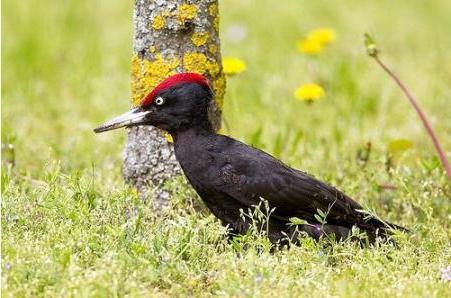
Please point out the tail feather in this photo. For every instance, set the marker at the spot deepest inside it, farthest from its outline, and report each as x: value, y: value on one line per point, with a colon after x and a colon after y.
x: 375, y: 223
x: 376, y: 228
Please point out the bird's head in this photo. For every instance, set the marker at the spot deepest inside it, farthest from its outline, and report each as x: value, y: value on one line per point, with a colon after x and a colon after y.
x: 180, y: 101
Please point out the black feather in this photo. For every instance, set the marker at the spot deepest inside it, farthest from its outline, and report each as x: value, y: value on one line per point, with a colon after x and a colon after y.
x: 230, y: 175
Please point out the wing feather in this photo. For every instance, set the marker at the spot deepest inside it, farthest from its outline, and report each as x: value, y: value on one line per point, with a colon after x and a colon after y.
x: 249, y: 174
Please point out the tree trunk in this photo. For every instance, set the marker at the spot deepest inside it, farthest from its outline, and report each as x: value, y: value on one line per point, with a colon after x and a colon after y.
x: 170, y: 36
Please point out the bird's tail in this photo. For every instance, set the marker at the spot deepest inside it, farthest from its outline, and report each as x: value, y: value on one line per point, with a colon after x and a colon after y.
x: 377, y: 223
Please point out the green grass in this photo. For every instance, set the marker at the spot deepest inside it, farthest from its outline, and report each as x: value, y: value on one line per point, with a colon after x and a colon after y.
x: 71, y: 227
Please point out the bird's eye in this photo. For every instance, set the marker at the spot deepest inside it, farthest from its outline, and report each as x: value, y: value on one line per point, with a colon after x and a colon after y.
x: 159, y: 101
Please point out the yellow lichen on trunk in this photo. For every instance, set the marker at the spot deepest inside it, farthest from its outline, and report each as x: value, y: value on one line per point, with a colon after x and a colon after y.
x: 186, y: 12
x: 199, y: 38
x: 146, y: 74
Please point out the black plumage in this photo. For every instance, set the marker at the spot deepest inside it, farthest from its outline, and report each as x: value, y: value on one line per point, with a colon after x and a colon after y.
x: 231, y: 176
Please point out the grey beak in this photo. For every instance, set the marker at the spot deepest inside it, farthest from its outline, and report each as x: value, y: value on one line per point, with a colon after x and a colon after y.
x: 134, y: 116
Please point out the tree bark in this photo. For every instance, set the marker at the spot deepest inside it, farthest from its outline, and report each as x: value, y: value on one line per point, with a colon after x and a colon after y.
x: 170, y: 36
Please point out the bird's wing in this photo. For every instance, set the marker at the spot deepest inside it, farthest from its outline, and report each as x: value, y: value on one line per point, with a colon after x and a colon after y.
x: 249, y: 175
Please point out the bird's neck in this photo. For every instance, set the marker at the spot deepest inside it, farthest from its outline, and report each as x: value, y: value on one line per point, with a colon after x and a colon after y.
x: 192, y: 132
x: 192, y: 142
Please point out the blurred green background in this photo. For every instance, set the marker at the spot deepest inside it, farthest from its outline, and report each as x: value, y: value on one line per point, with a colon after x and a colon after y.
x: 66, y: 69
x: 67, y: 65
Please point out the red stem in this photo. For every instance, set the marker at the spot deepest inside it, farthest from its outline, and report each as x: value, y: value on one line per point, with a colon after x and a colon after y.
x: 420, y: 113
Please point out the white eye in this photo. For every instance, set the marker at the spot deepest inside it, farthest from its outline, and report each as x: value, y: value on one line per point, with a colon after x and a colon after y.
x: 159, y: 101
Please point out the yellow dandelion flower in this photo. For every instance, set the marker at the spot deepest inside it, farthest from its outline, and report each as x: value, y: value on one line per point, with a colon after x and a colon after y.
x: 310, y: 46
x: 316, y: 40
x: 309, y: 92
x: 233, y: 66
x: 323, y: 36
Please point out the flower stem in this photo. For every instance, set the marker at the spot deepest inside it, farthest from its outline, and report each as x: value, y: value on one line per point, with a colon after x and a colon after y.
x: 420, y: 113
